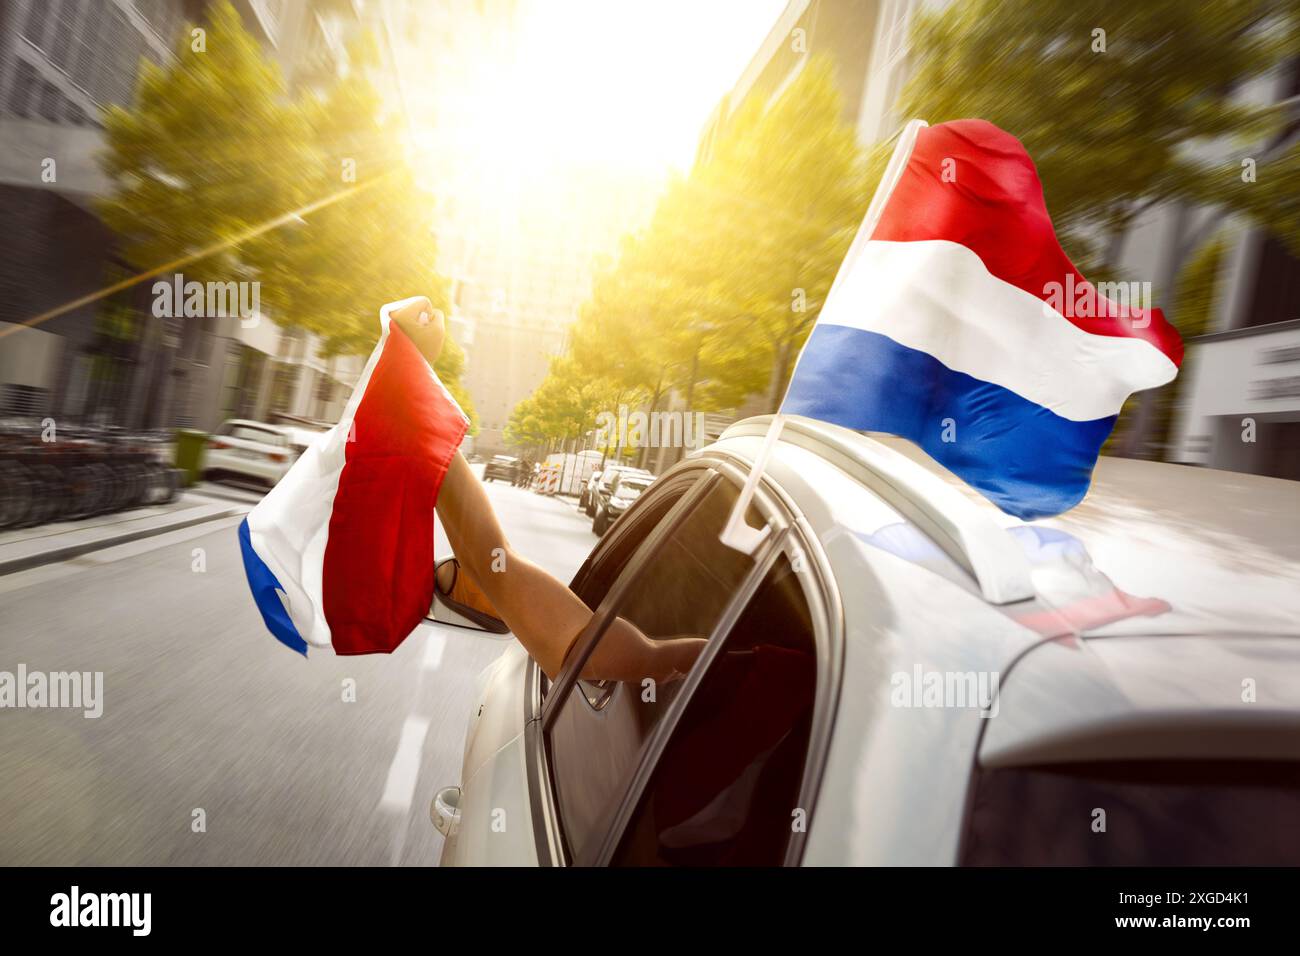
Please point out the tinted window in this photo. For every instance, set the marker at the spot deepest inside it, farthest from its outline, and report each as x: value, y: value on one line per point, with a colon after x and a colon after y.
x: 726, y: 788
x: 599, y: 731
x: 1157, y: 813
x: 250, y: 433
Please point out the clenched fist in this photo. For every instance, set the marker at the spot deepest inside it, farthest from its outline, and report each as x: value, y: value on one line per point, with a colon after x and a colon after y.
x: 423, y: 324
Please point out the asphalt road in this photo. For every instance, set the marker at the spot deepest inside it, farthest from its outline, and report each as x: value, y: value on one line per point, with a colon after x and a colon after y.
x: 204, y: 711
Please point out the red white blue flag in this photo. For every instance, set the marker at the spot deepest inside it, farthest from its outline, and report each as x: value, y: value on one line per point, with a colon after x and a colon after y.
x: 957, y: 321
x: 340, y: 552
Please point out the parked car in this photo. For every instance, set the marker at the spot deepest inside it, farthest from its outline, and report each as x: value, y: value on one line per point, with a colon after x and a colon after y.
x: 300, y: 437
x: 601, y: 491
x: 1141, y: 669
x: 248, y: 451
x: 500, y: 468
x: 624, y: 490
x: 588, y: 487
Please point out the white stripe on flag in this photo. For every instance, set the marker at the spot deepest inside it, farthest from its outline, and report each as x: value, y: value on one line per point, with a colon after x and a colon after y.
x: 937, y: 297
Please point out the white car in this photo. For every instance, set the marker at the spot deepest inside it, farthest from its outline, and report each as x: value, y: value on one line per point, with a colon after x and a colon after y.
x: 250, y: 451
x: 901, y: 674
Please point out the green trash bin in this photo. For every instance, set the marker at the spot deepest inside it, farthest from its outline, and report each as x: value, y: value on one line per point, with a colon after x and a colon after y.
x: 189, y: 453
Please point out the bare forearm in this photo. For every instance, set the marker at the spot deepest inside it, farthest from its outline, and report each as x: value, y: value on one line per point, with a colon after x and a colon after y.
x: 541, y: 611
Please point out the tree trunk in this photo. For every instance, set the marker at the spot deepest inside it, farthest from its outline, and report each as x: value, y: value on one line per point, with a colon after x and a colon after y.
x: 654, y: 407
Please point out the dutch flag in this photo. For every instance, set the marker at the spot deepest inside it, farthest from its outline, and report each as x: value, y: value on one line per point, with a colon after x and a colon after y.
x: 957, y: 321
x: 340, y: 552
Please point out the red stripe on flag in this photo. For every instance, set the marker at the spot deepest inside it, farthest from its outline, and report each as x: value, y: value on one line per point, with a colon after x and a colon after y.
x: 378, y: 574
x: 992, y: 203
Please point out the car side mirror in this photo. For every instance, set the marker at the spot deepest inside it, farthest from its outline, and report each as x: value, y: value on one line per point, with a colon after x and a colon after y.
x: 458, y: 601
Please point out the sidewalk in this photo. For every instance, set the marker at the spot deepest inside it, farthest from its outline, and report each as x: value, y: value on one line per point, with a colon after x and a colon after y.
x: 25, y: 548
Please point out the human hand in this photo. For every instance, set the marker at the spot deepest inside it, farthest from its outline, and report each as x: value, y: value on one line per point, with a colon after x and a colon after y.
x: 672, y: 659
x: 423, y: 325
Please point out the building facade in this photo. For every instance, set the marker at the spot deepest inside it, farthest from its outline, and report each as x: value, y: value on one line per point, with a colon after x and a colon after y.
x: 61, y: 63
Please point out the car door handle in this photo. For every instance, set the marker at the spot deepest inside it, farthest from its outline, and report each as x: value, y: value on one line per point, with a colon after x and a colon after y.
x: 444, y: 811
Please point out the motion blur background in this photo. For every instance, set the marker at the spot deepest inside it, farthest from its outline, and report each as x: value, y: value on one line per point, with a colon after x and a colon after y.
x: 614, y: 203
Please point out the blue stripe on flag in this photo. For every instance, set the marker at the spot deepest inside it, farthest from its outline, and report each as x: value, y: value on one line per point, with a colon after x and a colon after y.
x: 265, y: 587
x: 1028, y: 460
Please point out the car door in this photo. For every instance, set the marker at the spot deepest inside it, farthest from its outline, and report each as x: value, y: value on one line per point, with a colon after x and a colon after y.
x: 496, y: 819
x: 713, y: 768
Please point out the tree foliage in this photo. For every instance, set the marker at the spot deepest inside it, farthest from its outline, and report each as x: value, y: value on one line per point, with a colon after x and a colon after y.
x: 716, y: 295
x: 216, y: 147
x: 1122, y: 105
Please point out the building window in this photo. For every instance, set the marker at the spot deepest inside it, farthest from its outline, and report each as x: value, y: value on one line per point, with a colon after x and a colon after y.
x: 23, y: 399
x: 65, y: 17
x: 23, y: 90
x: 37, y: 20
x: 282, y: 387
x: 85, y: 46
x: 51, y: 100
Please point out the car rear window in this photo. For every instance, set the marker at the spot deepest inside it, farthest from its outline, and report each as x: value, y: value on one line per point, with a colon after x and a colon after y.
x: 251, y: 433
x: 1137, y: 813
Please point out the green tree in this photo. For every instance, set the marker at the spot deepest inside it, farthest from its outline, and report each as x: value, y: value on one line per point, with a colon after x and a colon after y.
x: 218, y: 165
x: 1124, y: 106
x: 716, y: 295
x: 210, y: 150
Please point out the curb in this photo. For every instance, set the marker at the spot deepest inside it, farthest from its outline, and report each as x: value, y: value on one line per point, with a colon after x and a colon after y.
x: 66, y: 552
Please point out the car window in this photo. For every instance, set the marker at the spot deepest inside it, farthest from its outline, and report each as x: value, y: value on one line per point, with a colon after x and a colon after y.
x: 725, y: 790
x: 252, y: 433
x: 610, y: 478
x: 1157, y: 813
x: 680, y: 593
x: 606, y: 562
x: 631, y: 487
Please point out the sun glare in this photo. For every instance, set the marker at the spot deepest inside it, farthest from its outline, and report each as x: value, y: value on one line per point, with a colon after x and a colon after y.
x: 619, y: 86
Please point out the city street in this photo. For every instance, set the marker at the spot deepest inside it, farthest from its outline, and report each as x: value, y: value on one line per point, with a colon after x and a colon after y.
x: 204, y: 711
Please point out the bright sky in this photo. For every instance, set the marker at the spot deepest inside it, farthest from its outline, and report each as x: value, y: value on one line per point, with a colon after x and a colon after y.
x: 628, y: 83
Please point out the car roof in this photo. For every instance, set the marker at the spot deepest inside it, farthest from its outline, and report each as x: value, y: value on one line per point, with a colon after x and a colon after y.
x: 1188, y: 550
x: 1151, y: 607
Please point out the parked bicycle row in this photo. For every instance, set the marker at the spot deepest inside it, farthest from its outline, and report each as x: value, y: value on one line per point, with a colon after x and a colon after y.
x: 79, y: 473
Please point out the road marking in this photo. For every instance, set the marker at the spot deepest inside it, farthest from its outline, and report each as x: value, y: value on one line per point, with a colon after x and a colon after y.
x: 404, y: 771
x: 434, y: 645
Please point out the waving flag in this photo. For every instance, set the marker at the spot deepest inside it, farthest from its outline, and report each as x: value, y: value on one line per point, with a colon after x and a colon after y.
x: 956, y: 321
x: 340, y: 552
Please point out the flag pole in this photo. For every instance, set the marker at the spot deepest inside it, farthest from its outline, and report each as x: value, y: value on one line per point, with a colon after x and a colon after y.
x: 737, y: 533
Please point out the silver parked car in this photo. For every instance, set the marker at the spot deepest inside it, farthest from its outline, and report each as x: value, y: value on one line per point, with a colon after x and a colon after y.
x: 901, y: 674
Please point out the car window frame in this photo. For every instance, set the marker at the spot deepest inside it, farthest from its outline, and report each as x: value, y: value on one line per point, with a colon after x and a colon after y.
x: 802, y: 546
x: 586, y: 642
x: 698, y: 478
x: 796, y: 540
